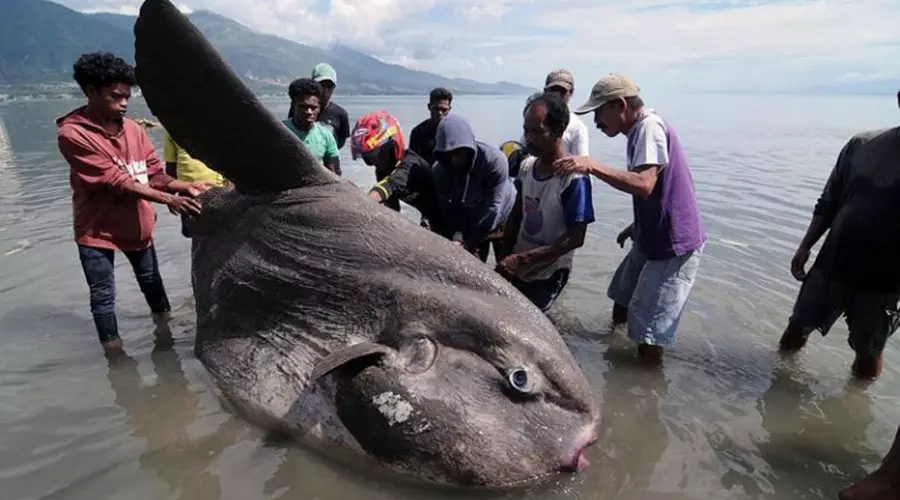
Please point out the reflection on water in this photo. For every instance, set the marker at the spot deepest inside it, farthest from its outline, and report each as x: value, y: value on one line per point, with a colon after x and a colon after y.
x: 726, y: 417
x: 160, y: 413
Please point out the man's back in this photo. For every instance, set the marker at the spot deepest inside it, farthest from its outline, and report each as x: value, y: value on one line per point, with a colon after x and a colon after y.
x: 862, y: 200
x: 412, y: 181
x: 421, y: 139
x: 335, y: 119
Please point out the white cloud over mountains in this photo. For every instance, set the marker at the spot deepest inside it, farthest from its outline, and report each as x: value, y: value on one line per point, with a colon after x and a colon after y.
x: 671, y: 44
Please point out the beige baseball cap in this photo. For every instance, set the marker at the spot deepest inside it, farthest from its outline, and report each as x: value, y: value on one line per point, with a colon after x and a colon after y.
x: 560, y: 78
x: 611, y: 86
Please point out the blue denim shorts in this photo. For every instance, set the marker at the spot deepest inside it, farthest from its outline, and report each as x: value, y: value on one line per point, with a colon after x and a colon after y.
x: 655, y: 293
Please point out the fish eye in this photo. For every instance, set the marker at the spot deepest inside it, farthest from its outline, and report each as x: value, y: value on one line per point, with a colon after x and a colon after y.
x: 519, y: 380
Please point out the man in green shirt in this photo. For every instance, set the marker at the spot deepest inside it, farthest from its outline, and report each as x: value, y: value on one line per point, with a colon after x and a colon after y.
x: 306, y: 99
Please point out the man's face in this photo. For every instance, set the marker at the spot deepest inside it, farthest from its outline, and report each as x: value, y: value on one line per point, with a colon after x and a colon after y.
x: 327, y: 90
x: 538, y: 139
x: 306, y: 110
x: 562, y: 91
x: 458, y: 159
x: 439, y: 109
x: 111, y: 101
x: 610, y: 117
x: 382, y: 159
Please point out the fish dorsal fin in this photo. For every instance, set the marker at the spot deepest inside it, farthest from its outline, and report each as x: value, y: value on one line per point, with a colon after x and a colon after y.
x: 209, y: 111
x: 346, y: 355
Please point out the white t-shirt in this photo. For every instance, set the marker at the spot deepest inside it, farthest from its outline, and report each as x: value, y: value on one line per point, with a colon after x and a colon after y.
x: 575, y: 137
x: 545, y: 216
x: 647, y: 143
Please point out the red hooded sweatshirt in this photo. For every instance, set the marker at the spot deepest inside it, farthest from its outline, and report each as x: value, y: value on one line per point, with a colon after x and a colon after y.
x: 102, y: 170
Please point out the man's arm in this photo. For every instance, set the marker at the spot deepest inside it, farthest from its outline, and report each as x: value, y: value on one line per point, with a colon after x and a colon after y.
x: 497, y: 180
x: 332, y: 158
x: 829, y: 200
x: 343, y: 129
x: 650, y: 156
x: 99, y: 172
x: 170, y: 156
x: 513, y: 223
x: 639, y: 182
x: 395, y: 184
x: 574, y: 238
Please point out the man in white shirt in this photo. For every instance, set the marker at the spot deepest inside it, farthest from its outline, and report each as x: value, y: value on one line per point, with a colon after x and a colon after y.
x: 575, y: 138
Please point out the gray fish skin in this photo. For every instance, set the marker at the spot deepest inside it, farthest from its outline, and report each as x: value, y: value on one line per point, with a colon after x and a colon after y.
x: 326, y: 316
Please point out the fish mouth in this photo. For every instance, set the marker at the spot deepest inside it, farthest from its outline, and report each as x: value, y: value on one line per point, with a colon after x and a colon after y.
x: 576, y: 459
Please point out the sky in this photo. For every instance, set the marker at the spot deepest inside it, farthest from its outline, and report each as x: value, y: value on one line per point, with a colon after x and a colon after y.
x: 684, y: 46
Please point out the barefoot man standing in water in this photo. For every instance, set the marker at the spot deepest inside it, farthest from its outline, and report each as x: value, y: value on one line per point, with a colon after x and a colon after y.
x: 857, y: 271
x: 115, y: 174
x: 651, y: 286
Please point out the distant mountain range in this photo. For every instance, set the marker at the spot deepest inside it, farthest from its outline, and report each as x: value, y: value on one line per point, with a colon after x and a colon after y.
x: 40, y: 40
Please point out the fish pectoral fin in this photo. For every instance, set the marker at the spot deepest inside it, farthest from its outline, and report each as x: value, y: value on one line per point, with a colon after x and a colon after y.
x: 343, y: 356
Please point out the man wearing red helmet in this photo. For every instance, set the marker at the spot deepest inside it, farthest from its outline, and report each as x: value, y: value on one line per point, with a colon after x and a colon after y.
x: 401, y: 173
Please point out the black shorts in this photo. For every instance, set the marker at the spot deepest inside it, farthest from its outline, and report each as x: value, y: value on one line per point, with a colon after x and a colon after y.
x: 872, y: 317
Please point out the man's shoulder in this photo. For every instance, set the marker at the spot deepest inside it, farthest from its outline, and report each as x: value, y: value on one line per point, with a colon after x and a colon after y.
x: 489, y: 152
x: 420, y: 127
x: 411, y: 160
x: 336, y: 109
x: 320, y: 131
x: 651, y: 121
x: 890, y: 134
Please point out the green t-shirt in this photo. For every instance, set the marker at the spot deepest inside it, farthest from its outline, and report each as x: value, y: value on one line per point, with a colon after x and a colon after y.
x: 318, y: 140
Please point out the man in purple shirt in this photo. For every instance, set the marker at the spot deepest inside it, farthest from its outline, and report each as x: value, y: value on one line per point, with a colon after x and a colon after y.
x: 652, y: 284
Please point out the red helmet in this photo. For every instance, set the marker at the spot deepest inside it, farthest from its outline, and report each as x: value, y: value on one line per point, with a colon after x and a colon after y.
x: 374, y: 131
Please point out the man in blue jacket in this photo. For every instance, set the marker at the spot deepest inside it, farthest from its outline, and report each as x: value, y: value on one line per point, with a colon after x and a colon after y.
x: 473, y: 185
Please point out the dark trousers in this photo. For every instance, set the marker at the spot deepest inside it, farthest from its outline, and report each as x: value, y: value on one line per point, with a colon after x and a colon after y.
x: 186, y: 226
x: 98, y: 265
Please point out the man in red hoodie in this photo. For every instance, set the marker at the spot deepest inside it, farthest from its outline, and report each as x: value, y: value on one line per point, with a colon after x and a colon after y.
x: 115, y: 174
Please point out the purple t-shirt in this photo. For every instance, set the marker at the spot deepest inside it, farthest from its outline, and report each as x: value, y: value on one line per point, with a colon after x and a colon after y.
x: 667, y: 223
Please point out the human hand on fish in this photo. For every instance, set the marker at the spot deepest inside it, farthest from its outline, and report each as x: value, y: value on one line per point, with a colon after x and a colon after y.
x: 183, y: 205
x: 197, y: 188
x: 508, y: 266
x: 572, y: 165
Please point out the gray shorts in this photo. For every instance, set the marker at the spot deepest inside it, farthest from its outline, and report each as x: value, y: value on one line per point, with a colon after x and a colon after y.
x: 655, y: 293
x: 872, y: 317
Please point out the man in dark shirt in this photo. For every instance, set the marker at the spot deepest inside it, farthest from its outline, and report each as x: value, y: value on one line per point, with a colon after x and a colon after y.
x: 857, y: 270
x: 421, y: 139
x: 401, y: 173
x: 333, y: 117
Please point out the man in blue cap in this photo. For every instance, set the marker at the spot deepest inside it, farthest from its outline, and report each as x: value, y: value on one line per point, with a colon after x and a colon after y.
x: 332, y: 116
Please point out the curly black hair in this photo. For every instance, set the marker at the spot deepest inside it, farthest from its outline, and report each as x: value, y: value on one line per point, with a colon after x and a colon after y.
x: 557, y: 118
x: 102, y: 69
x: 304, y: 87
x: 440, y: 94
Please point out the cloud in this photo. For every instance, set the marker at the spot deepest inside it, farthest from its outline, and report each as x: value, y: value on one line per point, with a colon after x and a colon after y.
x: 667, y: 45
